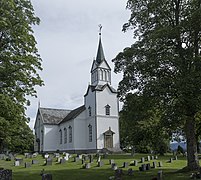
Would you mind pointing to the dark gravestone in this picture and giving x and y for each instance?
(160, 164)
(91, 158)
(5, 174)
(130, 171)
(34, 162)
(154, 165)
(87, 166)
(148, 167)
(118, 174)
(27, 164)
(47, 177)
(125, 165)
(100, 164)
(48, 162)
(142, 159)
(143, 167)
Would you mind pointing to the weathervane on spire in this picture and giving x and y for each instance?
(100, 27)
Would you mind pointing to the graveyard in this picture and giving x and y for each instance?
(95, 166)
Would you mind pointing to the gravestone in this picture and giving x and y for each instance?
(48, 162)
(130, 171)
(154, 165)
(62, 161)
(34, 162)
(152, 157)
(2, 156)
(114, 166)
(142, 159)
(30, 155)
(105, 155)
(35, 154)
(17, 163)
(80, 156)
(118, 174)
(143, 167)
(76, 159)
(59, 159)
(100, 164)
(160, 164)
(175, 158)
(47, 177)
(27, 164)
(83, 161)
(135, 163)
(5, 174)
(156, 157)
(86, 158)
(91, 158)
(56, 155)
(46, 156)
(66, 157)
(87, 166)
(99, 158)
(125, 165)
(20, 160)
(148, 158)
(171, 160)
(26, 155)
(11, 156)
(111, 161)
(148, 167)
(160, 175)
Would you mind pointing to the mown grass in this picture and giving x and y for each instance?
(74, 171)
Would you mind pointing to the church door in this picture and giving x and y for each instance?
(108, 141)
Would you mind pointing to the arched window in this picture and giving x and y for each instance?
(107, 109)
(89, 108)
(70, 134)
(90, 132)
(60, 136)
(65, 135)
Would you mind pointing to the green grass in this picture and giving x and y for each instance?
(74, 171)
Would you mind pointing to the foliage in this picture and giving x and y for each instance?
(165, 63)
(140, 126)
(19, 62)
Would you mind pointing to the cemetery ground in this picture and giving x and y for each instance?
(75, 171)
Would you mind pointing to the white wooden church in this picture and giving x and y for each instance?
(92, 127)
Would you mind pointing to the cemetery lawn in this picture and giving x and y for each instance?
(74, 171)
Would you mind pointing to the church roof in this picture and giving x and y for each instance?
(100, 54)
(74, 113)
(100, 88)
(53, 116)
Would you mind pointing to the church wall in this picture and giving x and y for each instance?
(90, 101)
(103, 124)
(51, 139)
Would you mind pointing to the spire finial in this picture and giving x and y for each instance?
(100, 27)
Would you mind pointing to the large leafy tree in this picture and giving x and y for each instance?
(19, 62)
(165, 62)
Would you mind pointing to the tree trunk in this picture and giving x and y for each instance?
(192, 156)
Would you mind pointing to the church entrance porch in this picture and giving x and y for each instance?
(108, 138)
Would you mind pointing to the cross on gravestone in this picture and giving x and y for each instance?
(48, 162)
(130, 172)
(160, 175)
(154, 165)
(125, 165)
(118, 174)
(6, 174)
(100, 164)
(111, 161)
(27, 164)
(17, 163)
(160, 164)
(47, 177)
(142, 159)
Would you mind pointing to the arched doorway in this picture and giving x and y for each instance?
(108, 138)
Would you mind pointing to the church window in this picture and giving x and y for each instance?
(65, 135)
(107, 110)
(60, 135)
(105, 75)
(101, 74)
(89, 108)
(42, 137)
(70, 134)
(90, 132)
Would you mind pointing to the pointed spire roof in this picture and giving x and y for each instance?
(100, 54)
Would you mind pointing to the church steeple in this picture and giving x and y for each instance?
(100, 71)
(100, 54)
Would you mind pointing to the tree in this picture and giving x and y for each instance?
(19, 62)
(140, 126)
(165, 62)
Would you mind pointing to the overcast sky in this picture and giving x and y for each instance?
(67, 40)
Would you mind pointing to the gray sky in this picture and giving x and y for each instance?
(67, 42)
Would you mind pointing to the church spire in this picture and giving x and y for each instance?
(100, 54)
